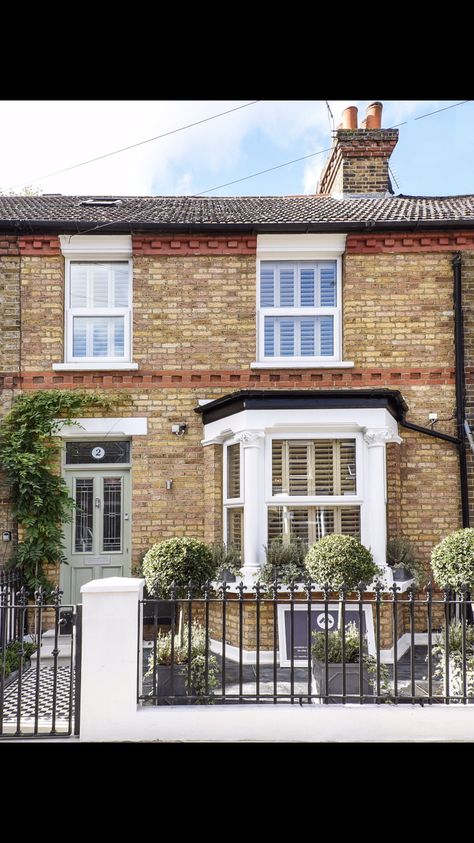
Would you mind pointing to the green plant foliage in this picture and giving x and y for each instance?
(226, 558)
(452, 560)
(29, 455)
(334, 651)
(13, 655)
(456, 659)
(178, 560)
(166, 654)
(401, 554)
(336, 560)
(284, 562)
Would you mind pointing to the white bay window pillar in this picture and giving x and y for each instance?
(252, 446)
(376, 440)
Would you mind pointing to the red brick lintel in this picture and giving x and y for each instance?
(420, 241)
(229, 379)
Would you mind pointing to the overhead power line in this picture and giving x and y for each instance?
(319, 152)
(133, 145)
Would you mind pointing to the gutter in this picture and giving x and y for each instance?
(135, 226)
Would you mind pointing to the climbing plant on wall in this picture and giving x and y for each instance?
(29, 455)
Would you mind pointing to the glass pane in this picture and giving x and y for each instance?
(328, 285)
(82, 453)
(100, 286)
(267, 287)
(305, 336)
(324, 467)
(233, 471)
(348, 467)
(98, 336)
(121, 284)
(83, 515)
(277, 467)
(307, 283)
(235, 527)
(112, 515)
(309, 524)
(78, 285)
(297, 468)
(287, 287)
(287, 337)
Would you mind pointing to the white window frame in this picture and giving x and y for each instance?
(70, 313)
(335, 312)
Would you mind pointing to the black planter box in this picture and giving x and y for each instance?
(180, 692)
(335, 675)
(401, 574)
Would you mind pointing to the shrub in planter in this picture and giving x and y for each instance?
(456, 660)
(335, 665)
(178, 560)
(336, 560)
(452, 560)
(13, 658)
(228, 562)
(336, 669)
(179, 657)
(402, 560)
(284, 562)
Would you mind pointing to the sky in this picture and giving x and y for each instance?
(434, 155)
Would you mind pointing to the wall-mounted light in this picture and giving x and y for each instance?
(169, 484)
(179, 429)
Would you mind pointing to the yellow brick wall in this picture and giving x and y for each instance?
(398, 310)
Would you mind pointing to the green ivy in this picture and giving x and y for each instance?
(29, 455)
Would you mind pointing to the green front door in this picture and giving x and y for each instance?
(97, 541)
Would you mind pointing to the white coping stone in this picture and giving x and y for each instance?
(113, 584)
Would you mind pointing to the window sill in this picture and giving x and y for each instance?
(94, 367)
(299, 364)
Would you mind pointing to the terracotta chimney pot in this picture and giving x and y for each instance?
(349, 117)
(374, 115)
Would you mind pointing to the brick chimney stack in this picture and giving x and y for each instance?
(358, 161)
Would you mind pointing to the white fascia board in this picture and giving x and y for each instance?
(128, 426)
(103, 246)
(325, 420)
(300, 246)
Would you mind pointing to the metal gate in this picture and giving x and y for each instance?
(40, 655)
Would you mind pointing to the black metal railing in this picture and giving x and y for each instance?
(10, 583)
(38, 682)
(298, 643)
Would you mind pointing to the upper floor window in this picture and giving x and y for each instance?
(299, 313)
(98, 311)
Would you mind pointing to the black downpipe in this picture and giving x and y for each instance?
(460, 386)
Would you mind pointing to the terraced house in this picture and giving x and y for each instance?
(294, 363)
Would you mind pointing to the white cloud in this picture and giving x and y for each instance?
(45, 136)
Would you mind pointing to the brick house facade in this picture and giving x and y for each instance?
(200, 331)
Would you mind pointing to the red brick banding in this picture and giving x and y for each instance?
(361, 244)
(200, 245)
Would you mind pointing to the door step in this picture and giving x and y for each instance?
(47, 647)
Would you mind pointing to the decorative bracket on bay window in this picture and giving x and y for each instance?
(380, 436)
(251, 438)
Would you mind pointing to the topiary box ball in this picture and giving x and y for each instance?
(336, 560)
(452, 560)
